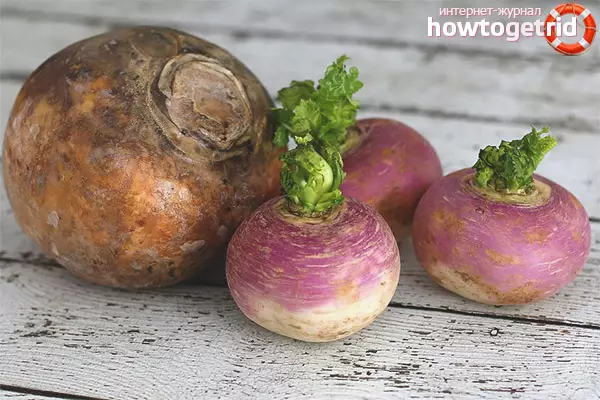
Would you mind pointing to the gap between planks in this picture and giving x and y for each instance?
(25, 393)
(217, 280)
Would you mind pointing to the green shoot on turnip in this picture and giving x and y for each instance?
(509, 167)
(325, 112)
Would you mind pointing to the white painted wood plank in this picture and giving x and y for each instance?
(407, 79)
(578, 303)
(379, 23)
(26, 44)
(62, 335)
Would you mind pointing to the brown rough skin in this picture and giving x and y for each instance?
(131, 157)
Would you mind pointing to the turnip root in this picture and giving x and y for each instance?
(131, 157)
(498, 234)
(313, 279)
(313, 265)
(389, 166)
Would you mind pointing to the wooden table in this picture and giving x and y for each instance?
(63, 338)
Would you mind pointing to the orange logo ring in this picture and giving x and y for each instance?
(571, 49)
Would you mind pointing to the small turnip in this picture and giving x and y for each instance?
(313, 265)
(389, 166)
(498, 233)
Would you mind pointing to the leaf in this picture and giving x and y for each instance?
(307, 118)
(510, 166)
(318, 120)
(326, 112)
(298, 90)
(282, 137)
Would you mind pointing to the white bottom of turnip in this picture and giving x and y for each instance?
(340, 318)
(465, 284)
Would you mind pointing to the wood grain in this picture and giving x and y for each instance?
(380, 24)
(60, 334)
(20, 396)
(475, 87)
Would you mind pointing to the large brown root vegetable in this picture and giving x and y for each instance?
(132, 157)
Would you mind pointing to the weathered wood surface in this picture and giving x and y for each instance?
(61, 337)
(578, 304)
(19, 393)
(380, 24)
(57, 333)
(414, 80)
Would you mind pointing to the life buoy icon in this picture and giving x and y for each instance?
(571, 49)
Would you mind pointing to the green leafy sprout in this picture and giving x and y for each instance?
(317, 119)
(509, 167)
(311, 177)
(325, 112)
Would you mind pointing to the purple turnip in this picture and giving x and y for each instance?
(389, 167)
(498, 233)
(313, 265)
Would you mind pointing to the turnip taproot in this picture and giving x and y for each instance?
(499, 234)
(389, 165)
(313, 265)
(131, 157)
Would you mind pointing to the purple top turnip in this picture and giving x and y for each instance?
(389, 165)
(313, 265)
(498, 233)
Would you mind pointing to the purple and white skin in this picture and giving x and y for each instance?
(313, 279)
(389, 166)
(313, 265)
(501, 246)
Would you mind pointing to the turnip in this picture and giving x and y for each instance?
(313, 265)
(389, 165)
(498, 233)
